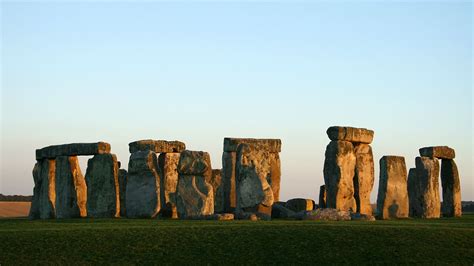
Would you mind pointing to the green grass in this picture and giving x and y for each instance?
(125, 241)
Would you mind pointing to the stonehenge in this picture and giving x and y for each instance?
(165, 180)
(349, 169)
(424, 185)
(392, 197)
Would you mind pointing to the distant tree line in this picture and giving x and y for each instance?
(467, 206)
(15, 198)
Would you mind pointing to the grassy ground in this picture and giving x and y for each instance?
(125, 241)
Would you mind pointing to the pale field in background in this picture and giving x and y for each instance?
(14, 209)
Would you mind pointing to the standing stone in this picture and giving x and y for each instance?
(339, 168)
(168, 163)
(392, 198)
(363, 178)
(71, 189)
(275, 175)
(427, 173)
(103, 199)
(195, 196)
(253, 179)
(414, 194)
(44, 197)
(322, 197)
(451, 189)
(218, 188)
(228, 180)
(122, 177)
(143, 185)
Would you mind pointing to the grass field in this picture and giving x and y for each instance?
(124, 241)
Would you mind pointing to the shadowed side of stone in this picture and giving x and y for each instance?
(392, 198)
(414, 194)
(322, 197)
(72, 149)
(143, 185)
(44, 193)
(427, 174)
(339, 165)
(157, 146)
(440, 152)
(122, 177)
(451, 189)
(218, 188)
(228, 180)
(103, 198)
(300, 204)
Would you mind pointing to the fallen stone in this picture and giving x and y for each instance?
(362, 217)
(414, 194)
(218, 188)
(392, 198)
(451, 189)
(363, 177)
(440, 152)
(427, 173)
(157, 146)
(279, 210)
(195, 197)
(328, 214)
(339, 168)
(168, 163)
(71, 189)
(253, 177)
(44, 193)
(195, 163)
(103, 199)
(270, 145)
(73, 149)
(143, 185)
(224, 217)
(300, 204)
(351, 134)
(228, 181)
(322, 197)
(122, 177)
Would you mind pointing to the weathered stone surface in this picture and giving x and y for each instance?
(44, 193)
(122, 177)
(328, 214)
(279, 210)
(103, 199)
(270, 145)
(351, 134)
(275, 175)
(392, 198)
(228, 180)
(363, 177)
(300, 204)
(71, 189)
(322, 197)
(451, 189)
(414, 194)
(157, 146)
(221, 217)
(195, 197)
(362, 217)
(195, 163)
(218, 188)
(73, 149)
(168, 164)
(339, 168)
(143, 185)
(440, 152)
(427, 173)
(253, 177)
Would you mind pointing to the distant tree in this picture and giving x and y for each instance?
(15, 198)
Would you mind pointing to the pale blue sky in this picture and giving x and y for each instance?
(197, 72)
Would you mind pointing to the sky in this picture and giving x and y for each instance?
(201, 71)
